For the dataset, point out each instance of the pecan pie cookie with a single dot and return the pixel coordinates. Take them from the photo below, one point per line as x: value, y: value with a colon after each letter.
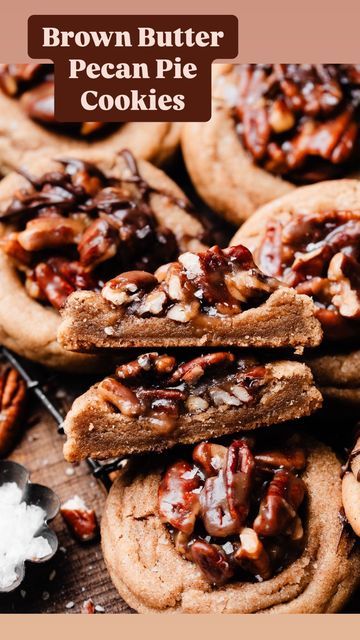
x: 159, y: 400
x: 213, y: 298
x: 310, y: 239
x: 351, y: 489
x: 28, y: 124
x: 73, y: 224
x: 232, y: 528
x: 273, y: 126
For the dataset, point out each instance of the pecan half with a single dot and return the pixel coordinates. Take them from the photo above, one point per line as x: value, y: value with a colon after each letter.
x: 191, y: 372
x: 120, y: 396
x: 278, y: 509
x: 212, y: 562
x: 178, y: 496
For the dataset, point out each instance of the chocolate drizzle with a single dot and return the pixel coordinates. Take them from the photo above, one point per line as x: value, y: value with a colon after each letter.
x: 79, y: 227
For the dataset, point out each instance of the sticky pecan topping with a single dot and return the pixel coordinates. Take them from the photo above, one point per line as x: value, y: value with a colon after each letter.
x: 33, y: 85
x: 160, y: 388
x: 217, y: 282
x: 319, y: 255
x: 299, y: 121
x: 74, y: 228
x: 234, y: 517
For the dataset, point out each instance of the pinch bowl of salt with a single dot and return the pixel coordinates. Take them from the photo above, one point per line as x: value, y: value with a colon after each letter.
x: 25, y: 510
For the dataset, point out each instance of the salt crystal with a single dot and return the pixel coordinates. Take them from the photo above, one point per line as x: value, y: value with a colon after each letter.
x: 45, y: 595
x: 69, y: 471
x: 52, y: 575
x: 99, y: 608
x: 19, y: 524
x: 70, y: 605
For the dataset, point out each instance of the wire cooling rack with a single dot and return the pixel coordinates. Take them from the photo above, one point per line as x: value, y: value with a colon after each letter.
x: 34, y: 377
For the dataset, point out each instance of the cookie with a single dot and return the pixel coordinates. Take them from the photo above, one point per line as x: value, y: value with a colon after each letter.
x: 158, y: 401
x: 73, y: 223
x: 272, y: 127
x: 351, y: 489
x: 28, y: 125
x: 213, y: 298
x: 337, y: 373
x: 160, y: 562
x: 310, y: 240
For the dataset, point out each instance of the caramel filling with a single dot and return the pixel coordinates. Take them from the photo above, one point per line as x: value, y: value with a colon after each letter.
x: 299, y: 121
x: 162, y: 388
x: 217, y: 282
x: 319, y: 255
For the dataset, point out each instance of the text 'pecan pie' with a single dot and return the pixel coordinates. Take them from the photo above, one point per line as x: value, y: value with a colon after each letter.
x: 28, y: 125
x: 73, y: 224
x: 274, y: 126
x: 214, y: 298
x: 237, y: 527
x: 159, y: 400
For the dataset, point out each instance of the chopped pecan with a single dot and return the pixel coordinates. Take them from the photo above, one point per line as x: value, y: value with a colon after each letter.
x: 252, y: 555
x: 99, y: 243
x: 278, y: 509
x: 212, y: 562
x: 38, y: 103
x: 12, y: 403
x: 344, y: 271
x: 120, y: 396
x: 128, y: 286
x: 178, y: 496
x: 210, y: 457
x: 238, y: 473
x: 191, y: 372
x: 50, y: 233
x: 216, y: 516
x: 289, y: 459
x: 53, y: 286
x: 81, y: 520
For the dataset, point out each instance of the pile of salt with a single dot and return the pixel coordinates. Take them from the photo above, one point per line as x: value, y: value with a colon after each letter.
x: 19, y: 524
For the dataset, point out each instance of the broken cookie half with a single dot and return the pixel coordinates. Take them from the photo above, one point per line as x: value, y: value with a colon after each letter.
x: 213, y: 298
x: 160, y: 400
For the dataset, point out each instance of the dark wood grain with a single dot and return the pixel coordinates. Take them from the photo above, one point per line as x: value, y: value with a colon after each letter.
x: 80, y: 572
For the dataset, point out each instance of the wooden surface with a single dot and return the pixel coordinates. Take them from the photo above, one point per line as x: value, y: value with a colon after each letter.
x: 80, y: 572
